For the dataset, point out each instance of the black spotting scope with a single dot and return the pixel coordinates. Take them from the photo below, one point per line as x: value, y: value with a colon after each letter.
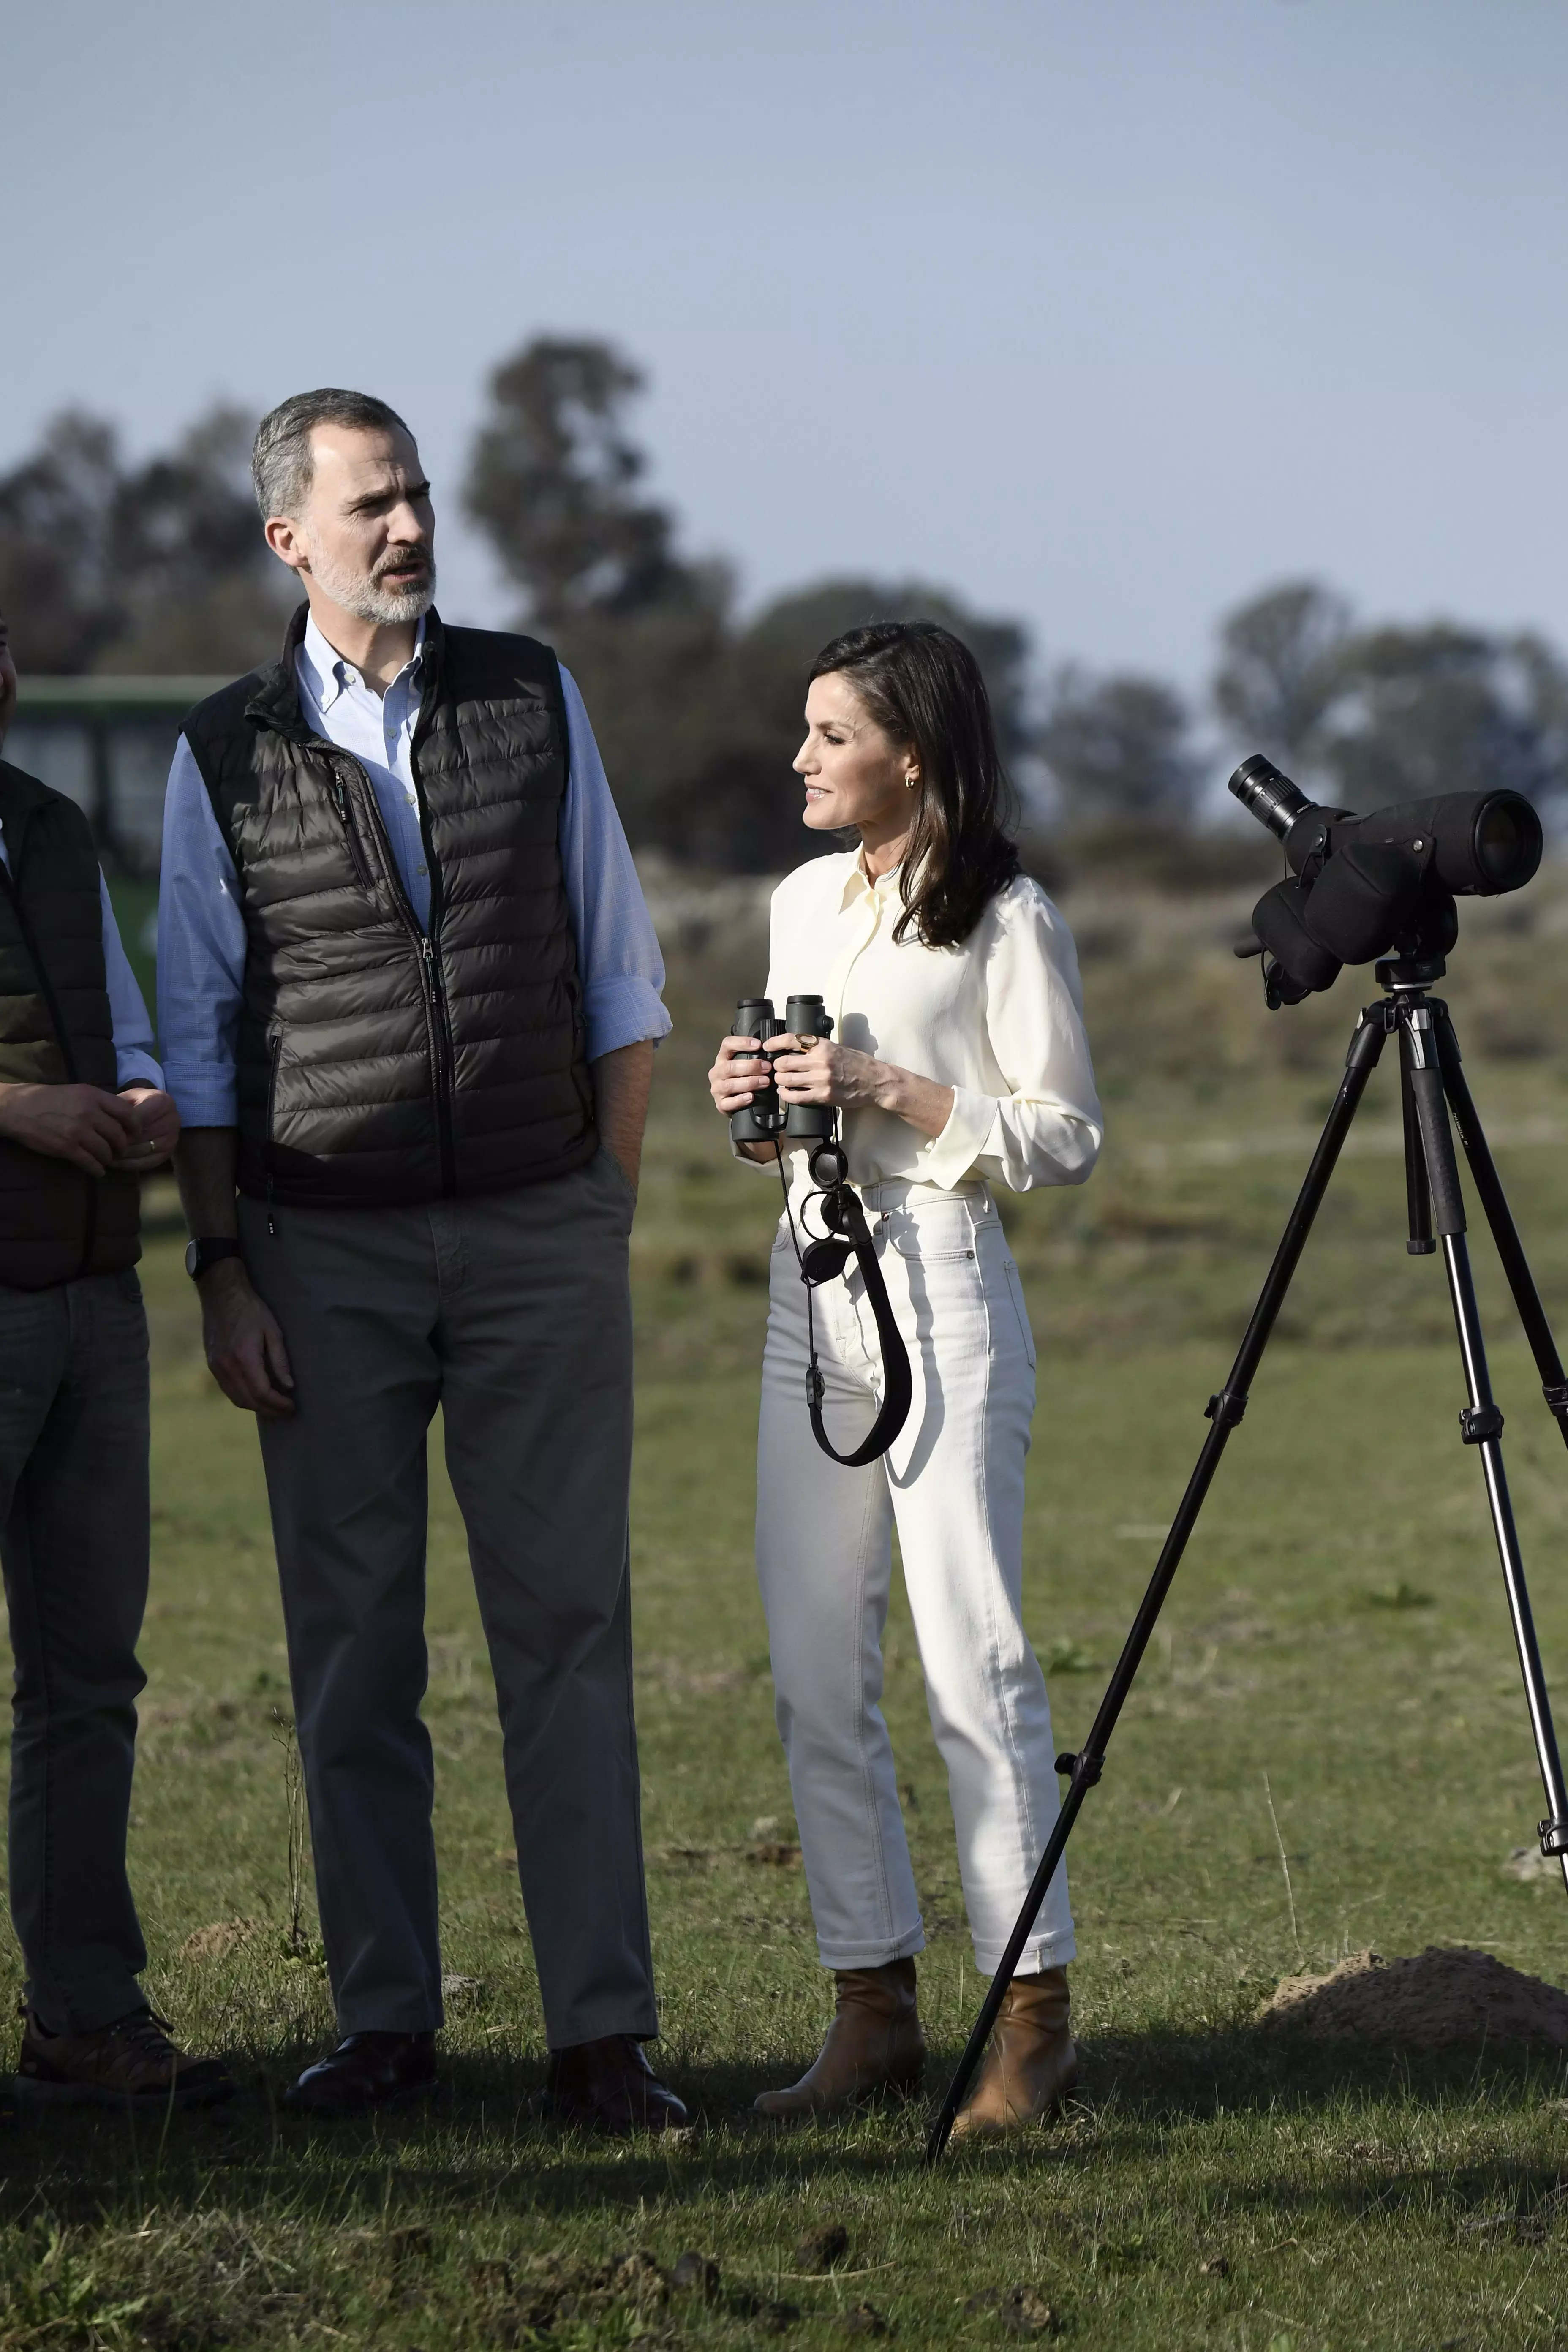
x: 1364, y: 886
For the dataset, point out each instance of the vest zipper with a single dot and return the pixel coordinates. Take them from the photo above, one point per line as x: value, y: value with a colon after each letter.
x: 437, y: 986
x: 432, y: 982
x: 271, y: 1101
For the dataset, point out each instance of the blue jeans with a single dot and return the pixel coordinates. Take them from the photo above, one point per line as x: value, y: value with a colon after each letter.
x: 73, y: 1545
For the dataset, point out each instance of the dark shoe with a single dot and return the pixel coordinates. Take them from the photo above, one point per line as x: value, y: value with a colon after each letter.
x: 366, y: 2070
x: 609, y: 2086
x: 874, y: 2044
x: 130, y: 2062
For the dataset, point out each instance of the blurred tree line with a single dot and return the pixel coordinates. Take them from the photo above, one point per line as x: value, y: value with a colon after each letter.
x: 112, y: 567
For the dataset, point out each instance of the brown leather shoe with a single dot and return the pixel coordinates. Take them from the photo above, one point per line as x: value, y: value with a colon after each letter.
x: 874, y: 2043
x: 366, y: 2070
x: 131, y: 2062
x: 1030, y: 2065
x: 609, y: 2086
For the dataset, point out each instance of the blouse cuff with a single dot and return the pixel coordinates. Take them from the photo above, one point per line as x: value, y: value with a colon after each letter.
x: 948, y: 1157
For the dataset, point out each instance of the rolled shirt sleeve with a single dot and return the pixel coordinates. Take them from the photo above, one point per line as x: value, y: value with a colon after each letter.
x: 134, y: 1064
x: 619, y: 960
x: 201, y: 952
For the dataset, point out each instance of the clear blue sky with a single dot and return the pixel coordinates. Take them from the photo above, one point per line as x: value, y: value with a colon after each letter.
x: 1104, y: 311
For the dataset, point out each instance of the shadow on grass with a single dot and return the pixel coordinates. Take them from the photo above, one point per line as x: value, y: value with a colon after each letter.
x: 486, y: 2143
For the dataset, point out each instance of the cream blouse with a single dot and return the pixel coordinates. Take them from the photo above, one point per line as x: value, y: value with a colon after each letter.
x: 999, y: 1020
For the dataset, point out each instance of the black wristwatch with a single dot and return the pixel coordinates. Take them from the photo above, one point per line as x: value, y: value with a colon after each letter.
x: 200, y: 1256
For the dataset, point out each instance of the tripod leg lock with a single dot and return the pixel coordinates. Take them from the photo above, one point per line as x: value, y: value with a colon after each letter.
x: 1554, y: 1837
x: 1081, y: 1768
x: 1480, y: 1424
x: 1226, y: 1409
x: 1556, y: 1395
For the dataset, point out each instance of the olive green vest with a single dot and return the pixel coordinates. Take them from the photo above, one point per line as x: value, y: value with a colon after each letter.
x: 57, y: 1223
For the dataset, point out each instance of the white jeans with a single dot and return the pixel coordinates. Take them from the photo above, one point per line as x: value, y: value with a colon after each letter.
x: 953, y: 1482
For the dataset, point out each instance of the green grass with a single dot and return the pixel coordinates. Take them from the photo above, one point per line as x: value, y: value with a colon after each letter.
x: 1338, y: 1634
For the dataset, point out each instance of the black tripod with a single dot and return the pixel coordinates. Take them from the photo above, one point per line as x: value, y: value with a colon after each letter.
x: 1431, y: 1082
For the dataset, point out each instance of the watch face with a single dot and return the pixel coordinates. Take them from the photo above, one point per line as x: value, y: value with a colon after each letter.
x: 192, y: 1259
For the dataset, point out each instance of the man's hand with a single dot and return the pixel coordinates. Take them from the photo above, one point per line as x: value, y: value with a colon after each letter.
x: 157, y: 1128
x: 92, y: 1129
x: 245, y: 1347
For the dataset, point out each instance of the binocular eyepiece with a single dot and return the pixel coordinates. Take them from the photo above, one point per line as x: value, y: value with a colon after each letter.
x: 764, y: 1118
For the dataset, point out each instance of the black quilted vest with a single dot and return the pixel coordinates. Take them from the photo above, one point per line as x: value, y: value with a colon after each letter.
x: 376, y: 1065
x: 57, y: 1223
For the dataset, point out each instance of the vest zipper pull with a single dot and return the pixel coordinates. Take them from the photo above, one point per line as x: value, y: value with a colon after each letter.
x: 272, y: 1221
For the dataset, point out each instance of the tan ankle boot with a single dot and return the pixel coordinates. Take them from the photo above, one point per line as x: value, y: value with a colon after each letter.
x: 874, y: 2043
x: 1030, y: 2064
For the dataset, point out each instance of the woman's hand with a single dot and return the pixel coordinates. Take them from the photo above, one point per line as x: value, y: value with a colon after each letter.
x: 742, y: 1067
x: 816, y: 1070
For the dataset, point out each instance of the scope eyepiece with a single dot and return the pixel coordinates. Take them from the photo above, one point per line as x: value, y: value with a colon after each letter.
x: 1268, y: 795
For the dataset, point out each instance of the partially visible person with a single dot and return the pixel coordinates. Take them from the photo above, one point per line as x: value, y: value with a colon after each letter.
x: 82, y: 1114
x: 959, y: 1063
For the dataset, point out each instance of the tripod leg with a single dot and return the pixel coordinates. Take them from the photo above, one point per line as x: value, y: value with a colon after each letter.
x: 1417, y: 1191
x: 1505, y: 1234
x: 1481, y: 1423
x: 1225, y: 1410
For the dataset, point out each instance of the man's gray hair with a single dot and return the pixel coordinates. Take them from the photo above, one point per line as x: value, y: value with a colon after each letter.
x: 281, y: 463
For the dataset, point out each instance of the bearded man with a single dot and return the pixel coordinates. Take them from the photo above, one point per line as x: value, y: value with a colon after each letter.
x: 409, y: 991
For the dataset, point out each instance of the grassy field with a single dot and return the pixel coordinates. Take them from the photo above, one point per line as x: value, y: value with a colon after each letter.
x: 1335, y: 1661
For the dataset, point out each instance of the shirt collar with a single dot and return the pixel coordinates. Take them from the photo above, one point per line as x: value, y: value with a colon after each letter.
x: 857, y: 883
x: 327, y: 674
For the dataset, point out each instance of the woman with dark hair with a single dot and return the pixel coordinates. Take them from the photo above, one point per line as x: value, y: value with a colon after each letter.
x: 958, y: 1062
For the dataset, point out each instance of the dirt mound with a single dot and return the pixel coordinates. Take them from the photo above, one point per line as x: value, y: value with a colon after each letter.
x: 1443, y: 1999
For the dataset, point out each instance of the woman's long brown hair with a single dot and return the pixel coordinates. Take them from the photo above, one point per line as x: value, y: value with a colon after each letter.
x: 922, y: 685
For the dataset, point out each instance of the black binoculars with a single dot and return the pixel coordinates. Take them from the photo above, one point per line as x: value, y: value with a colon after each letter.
x: 764, y: 1118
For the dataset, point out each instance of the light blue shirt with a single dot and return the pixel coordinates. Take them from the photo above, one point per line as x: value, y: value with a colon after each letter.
x: 135, y: 1066
x: 201, y: 923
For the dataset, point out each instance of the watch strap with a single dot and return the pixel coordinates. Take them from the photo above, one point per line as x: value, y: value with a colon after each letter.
x: 208, y: 1251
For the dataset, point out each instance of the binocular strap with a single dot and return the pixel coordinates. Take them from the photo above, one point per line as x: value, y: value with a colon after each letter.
x: 898, y: 1384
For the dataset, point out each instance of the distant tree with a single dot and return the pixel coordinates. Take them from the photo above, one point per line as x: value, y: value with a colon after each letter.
x: 56, y: 511
x: 698, y: 717
x: 1119, y: 751
x: 158, y: 567
x: 198, y: 587
x: 1446, y: 709
x: 552, y: 484
x: 1279, y: 669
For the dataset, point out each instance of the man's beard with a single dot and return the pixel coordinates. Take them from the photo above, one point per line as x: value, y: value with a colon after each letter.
x: 368, y: 599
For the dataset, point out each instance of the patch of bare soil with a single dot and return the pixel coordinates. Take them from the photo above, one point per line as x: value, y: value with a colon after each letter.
x: 1445, y: 1998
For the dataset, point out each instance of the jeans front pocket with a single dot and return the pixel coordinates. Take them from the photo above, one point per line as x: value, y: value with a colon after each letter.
x: 1016, y: 1292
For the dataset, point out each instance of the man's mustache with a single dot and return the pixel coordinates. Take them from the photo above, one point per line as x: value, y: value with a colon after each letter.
x: 405, y: 558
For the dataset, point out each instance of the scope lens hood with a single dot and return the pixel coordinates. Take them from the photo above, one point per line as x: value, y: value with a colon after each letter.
x: 1482, y: 843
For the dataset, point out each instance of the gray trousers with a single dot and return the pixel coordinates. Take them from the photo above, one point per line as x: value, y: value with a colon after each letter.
x: 512, y: 1314
x: 73, y: 1545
